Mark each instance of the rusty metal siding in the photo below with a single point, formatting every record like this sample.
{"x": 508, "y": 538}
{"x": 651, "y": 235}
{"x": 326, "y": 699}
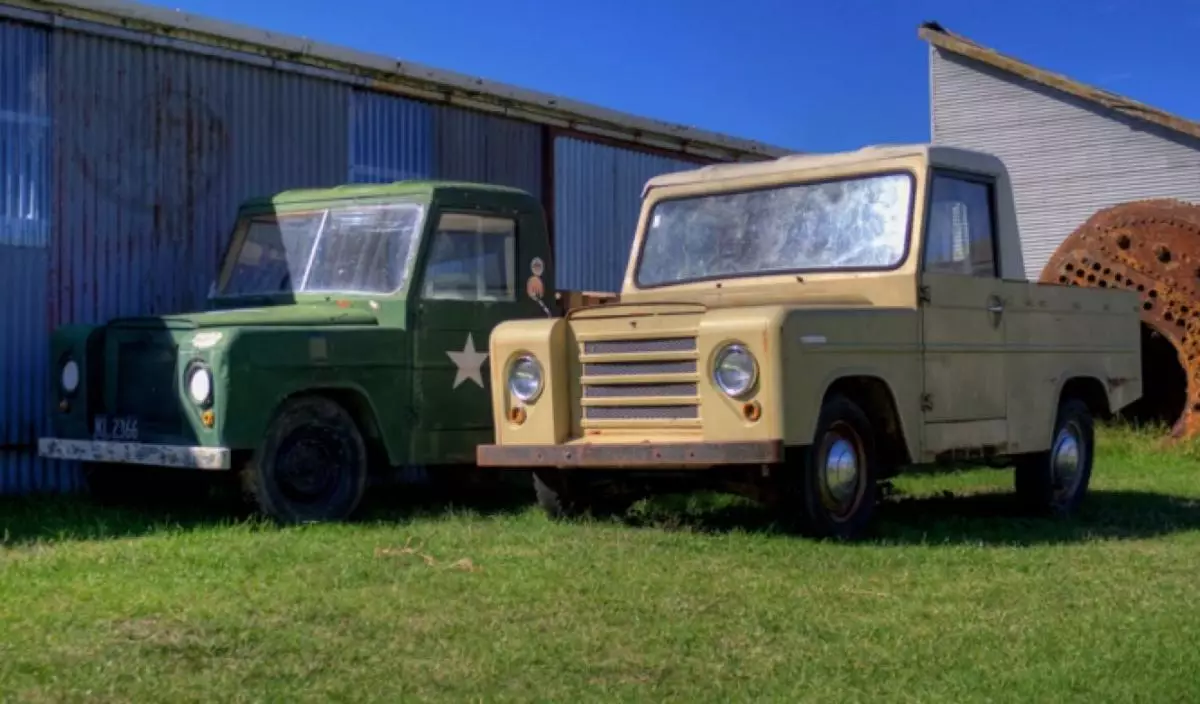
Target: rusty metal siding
{"x": 155, "y": 149}
{"x": 597, "y": 199}
{"x": 473, "y": 146}
{"x": 25, "y": 221}
{"x": 1067, "y": 158}
{"x": 391, "y": 138}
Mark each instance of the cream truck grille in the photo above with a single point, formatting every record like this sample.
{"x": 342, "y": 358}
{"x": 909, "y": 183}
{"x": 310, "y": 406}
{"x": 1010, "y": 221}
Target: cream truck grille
{"x": 633, "y": 381}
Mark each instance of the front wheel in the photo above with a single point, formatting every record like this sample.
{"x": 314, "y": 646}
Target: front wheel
{"x": 1056, "y": 480}
{"x": 836, "y": 492}
{"x": 312, "y": 464}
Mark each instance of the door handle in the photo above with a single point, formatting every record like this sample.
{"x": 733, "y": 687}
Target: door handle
{"x": 996, "y": 306}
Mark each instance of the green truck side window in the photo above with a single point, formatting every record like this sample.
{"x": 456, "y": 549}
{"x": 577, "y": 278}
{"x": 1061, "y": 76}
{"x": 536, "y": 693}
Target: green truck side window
{"x": 472, "y": 258}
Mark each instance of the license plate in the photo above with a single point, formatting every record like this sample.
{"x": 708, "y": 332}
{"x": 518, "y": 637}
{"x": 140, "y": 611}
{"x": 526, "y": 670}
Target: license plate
{"x": 120, "y": 428}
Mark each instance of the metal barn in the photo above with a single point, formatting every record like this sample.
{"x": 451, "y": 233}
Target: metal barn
{"x": 129, "y": 134}
{"x": 1107, "y": 193}
{"x": 1071, "y": 149}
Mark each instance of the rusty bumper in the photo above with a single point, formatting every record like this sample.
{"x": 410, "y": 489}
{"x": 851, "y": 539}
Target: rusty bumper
{"x": 633, "y": 455}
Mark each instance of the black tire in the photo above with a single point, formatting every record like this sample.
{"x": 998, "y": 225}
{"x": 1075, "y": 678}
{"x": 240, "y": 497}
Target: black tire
{"x": 565, "y": 495}
{"x": 312, "y": 465}
{"x": 1055, "y": 481}
{"x": 823, "y": 512}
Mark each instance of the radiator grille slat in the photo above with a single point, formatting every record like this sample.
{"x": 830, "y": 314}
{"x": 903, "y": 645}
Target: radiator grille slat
{"x": 673, "y": 379}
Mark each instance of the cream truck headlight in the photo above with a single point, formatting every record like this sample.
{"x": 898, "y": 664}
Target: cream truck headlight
{"x": 735, "y": 370}
{"x": 200, "y": 384}
{"x": 525, "y": 378}
{"x": 69, "y": 376}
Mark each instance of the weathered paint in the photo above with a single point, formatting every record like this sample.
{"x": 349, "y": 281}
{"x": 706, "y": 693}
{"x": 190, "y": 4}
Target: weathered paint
{"x": 472, "y": 146}
{"x": 155, "y": 149}
{"x": 391, "y": 139}
{"x": 1068, "y": 158}
{"x": 597, "y": 196}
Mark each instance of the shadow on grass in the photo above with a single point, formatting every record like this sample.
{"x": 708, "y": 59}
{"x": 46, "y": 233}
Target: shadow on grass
{"x": 973, "y": 519}
{"x": 183, "y": 506}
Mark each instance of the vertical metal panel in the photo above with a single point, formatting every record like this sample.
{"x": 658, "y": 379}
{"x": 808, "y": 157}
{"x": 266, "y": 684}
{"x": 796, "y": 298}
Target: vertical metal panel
{"x": 597, "y": 199}
{"x": 391, "y": 138}
{"x": 472, "y": 146}
{"x": 1067, "y": 158}
{"x": 155, "y": 149}
{"x": 152, "y": 151}
{"x": 24, "y": 261}
{"x": 24, "y": 131}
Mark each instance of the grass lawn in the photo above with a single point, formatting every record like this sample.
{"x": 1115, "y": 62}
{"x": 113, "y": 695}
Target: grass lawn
{"x": 957, "y": 600}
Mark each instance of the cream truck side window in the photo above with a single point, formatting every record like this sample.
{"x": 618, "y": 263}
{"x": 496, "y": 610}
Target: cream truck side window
{"x": 959, "y": 237}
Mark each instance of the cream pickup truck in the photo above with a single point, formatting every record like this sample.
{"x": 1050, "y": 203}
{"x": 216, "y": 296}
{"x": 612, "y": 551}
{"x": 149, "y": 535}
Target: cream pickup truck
{"x": 797, "y": 330}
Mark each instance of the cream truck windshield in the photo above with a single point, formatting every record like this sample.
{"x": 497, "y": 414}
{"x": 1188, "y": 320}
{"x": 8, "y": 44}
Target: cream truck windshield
{"x": 858, "y": 223}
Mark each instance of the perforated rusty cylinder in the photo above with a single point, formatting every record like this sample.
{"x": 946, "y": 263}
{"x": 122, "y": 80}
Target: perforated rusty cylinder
{"x": 1152, "y": 247}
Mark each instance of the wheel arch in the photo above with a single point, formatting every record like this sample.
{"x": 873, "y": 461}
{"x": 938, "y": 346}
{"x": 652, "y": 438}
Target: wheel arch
{"x": 1089, "y": 390}
{"x": 362, "y": 410}
{"x": 877, "y": 399}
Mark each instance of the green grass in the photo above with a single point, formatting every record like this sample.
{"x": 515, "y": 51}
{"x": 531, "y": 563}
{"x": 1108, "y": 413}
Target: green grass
{"x": 957, "y": 600}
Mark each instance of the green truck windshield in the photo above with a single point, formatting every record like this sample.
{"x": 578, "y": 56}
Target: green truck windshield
{"x": 350, "y": 248}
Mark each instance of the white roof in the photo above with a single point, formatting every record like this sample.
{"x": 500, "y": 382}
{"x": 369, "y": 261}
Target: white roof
{"x": 938, "y": 154}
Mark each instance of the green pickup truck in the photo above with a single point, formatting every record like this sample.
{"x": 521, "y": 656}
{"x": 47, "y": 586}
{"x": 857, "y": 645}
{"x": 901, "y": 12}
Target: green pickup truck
{"x": 346, "y": 334}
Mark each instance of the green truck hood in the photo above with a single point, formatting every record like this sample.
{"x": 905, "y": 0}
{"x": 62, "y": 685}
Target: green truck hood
{"x": 290, "y": 315}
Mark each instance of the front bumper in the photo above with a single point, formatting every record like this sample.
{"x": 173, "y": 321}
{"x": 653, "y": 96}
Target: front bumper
{"x": 631, "y": 455}
{"x": 178, "y": 456}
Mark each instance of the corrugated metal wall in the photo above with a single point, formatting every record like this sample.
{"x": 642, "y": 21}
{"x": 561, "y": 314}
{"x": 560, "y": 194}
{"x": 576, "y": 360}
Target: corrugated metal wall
{"x": 122, "y": 165}
{"x": 155, "y": 150}
{"x": 25, "y": 222}
{"x": 1067, "y": 158}
{"x": 391, "y": 138}
{"x": 472, "y": 146}
{"x": 597, "y": 197}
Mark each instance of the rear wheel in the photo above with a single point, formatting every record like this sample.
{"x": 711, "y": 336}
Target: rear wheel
{"x": 1056, "y": 480}
{"x": 835, "y": 491}
{"x": 312, "y": 464}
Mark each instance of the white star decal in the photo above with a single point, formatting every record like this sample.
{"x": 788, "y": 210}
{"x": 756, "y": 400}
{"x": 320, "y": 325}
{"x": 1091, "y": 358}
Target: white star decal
{"x": 469, "y": 363}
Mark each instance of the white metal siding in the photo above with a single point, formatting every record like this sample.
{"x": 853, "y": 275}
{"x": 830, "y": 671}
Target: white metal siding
{"x": 1067, "y": 158}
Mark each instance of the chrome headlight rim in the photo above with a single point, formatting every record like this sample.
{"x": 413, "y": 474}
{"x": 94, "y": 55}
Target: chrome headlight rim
{"x": 722, "y": 355}
{"x": 530, "y": 360}
{"x": 197, "y": 369}
{"x": 69, "y": 376}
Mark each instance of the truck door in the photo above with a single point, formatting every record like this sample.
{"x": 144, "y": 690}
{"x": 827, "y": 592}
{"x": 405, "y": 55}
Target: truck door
{"x": 963, "y": 321}
{"x": 476, "y": 275}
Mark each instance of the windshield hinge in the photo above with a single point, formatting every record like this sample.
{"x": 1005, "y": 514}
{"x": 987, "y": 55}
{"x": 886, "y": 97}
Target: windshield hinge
{"x": 926, "y": 402}
{"x": 923, "y": 294}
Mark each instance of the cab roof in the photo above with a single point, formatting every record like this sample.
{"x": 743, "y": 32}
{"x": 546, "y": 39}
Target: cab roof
{"x": 353, "y": 191}
{"x": 937, "y": 155}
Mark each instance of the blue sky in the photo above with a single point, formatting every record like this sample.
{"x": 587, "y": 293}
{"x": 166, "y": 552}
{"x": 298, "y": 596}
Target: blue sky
{"x": 802, "y": 74}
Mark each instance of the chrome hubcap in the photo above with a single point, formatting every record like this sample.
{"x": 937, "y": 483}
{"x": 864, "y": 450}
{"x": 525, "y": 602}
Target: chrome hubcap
{"x": 841, "y": 472}
{"x": 1067, "y": 459}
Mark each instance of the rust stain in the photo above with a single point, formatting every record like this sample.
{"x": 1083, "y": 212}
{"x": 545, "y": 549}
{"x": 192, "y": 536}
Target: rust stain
{"x": 1151, "y": 247}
